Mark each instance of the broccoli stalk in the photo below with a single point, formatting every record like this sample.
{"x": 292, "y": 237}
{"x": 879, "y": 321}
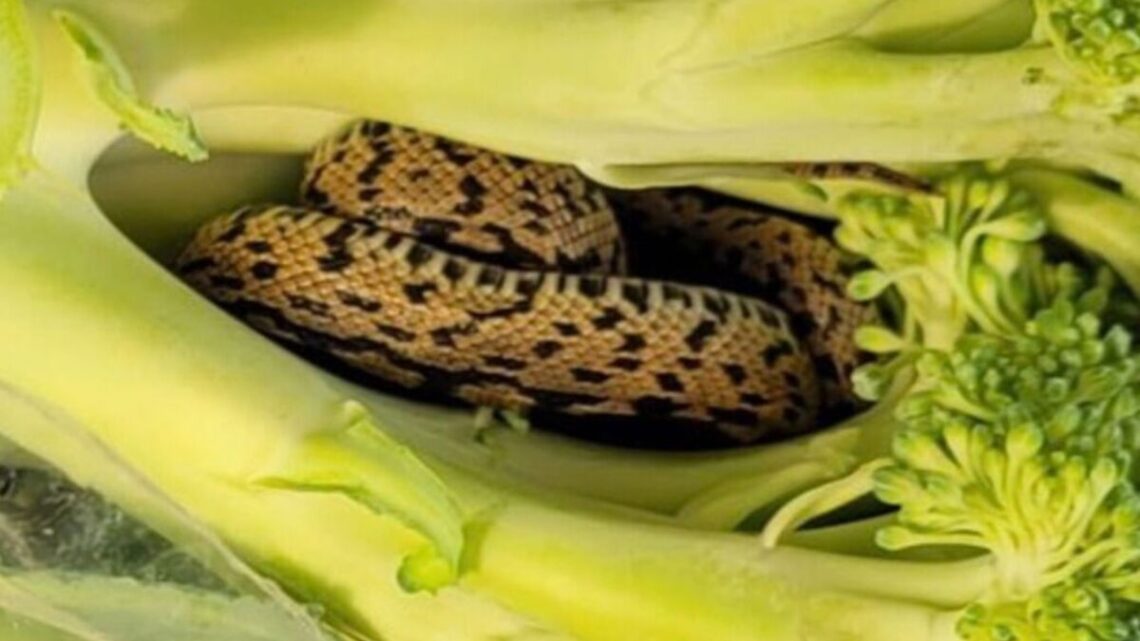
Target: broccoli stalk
{"x": 701, "y": 83}
{"x": 1091, "y": 217}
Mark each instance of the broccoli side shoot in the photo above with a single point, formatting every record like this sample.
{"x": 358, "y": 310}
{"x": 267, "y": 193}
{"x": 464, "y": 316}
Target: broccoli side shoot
{"x": 972, "y": 258}
{"x": 1021, "y": 446}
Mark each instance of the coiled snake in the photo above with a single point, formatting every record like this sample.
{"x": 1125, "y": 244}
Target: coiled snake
{"x": 498, "y": 280}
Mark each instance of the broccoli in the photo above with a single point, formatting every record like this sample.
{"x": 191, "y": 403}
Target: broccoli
{"x": 707, "y": 87}
{"x": 1006, "y": 423}
{"x": 1020, "y": 447}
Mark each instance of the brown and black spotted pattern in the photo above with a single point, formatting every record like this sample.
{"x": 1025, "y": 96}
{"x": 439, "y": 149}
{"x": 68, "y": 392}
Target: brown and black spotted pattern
{"x": 861, "y": 171}
{"x": 420, "y": 260}
{"x": 427, "y": 318}
{"x": 490, "y": 206}
{"x": 781, "y": 260}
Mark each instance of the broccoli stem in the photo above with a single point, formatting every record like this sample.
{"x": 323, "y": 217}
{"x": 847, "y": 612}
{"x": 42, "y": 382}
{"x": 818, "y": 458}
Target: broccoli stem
{"x": 712, "y": 490}
{"x": 1097, "y": 220}
{"x": 19, "y": 100}
{"x": 837, "y": 101}
{"x": 692, "y": 86}
{"x": 653, "y": 588}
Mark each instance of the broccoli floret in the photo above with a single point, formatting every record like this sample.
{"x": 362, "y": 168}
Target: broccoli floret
{"x": 1101, "y": 38}
{"x": 1018, "y": 449}
{"x": 967, "y": 258}
{"x": 971, "y": 259}
{"x": 1022, "y": 447}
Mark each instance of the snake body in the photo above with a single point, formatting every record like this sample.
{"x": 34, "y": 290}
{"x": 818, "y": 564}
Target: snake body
{"x": 498, "y": 280}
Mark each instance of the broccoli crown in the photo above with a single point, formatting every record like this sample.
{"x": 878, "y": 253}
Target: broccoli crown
{"x": 971, "y": 259}
{"x": 967, "y": 257}
{"x": 1101, "y": 38}
{"x": 1020, "y": 446}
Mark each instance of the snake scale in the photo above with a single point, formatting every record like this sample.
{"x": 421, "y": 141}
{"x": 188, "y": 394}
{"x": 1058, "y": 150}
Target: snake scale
{"x": 500, "y": 281}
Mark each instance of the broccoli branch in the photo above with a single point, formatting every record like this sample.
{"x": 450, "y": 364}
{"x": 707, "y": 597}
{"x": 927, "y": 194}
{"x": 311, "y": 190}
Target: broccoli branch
{"x": 700, "y": 82}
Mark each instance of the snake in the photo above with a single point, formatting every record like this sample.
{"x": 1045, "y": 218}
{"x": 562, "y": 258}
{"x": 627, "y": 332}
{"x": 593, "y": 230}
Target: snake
{"x": 503, "y": 282}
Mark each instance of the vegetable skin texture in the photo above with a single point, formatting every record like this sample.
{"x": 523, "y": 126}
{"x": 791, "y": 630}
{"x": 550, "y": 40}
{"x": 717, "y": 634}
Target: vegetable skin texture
{"x": 272, "y": 453}
{"x": 715, "y": 83}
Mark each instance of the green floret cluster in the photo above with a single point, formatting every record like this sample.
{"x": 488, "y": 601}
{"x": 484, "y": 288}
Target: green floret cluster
{"x": 1013, "y": 462}
{"x": 967, "y": 259}
{"x": 1100, "y": 37}
{"x": 1022, "y": 447}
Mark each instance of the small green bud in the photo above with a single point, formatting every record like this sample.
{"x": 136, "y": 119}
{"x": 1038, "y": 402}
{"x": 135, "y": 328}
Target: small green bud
{"x": 896, "y": 537}
{"x": 1048, "y": 364}
{"x": 848, "y": 238}
{"x": 986, "y": 285}
{"x": 1024, "y": 226}
{"x": 1105, "y": 474}
{"x": 1118, "y": 341}
{"x": 870, "y": 381}
{"x": 1023, "y": 441}
{"x": 897, "y": 485}
{"x": 1056, "y": 389}
{"x": 958, "y": 439}
{"x": 1004, "y": 256}
{"x": 1088, "y": 324}
{"x": 868, "y": 284}
{"x": 921, "y": 451}
{"x": 980, "y": 193}
{"x": 1100, "y": 382}
{"x": 942, "y": 490}
{"x": 1092, "y": 351}
{"x": 879, "y": 340}
{"x": 1063, "y": 423}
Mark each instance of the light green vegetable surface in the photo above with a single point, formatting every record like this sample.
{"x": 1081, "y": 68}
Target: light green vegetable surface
{"x": 218, "y": 487}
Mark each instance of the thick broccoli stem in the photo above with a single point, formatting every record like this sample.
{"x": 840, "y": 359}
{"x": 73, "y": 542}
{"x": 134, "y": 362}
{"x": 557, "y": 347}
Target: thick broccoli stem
{"x": 100, "y": 335}
{"x": 598, "y": 583}
{"x": 837, "y": 101}
{"x": 715, "y": 490}
{"x": 470, "y": 71}
{"x": 1099, "y": 221}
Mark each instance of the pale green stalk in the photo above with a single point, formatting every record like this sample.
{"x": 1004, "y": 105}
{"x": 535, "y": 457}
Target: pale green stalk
{"x": 57, "y": 606}
{"x": 1095, "y": 219}
{"x": 699, "y": 82}
{"x": 215, "y": 428}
